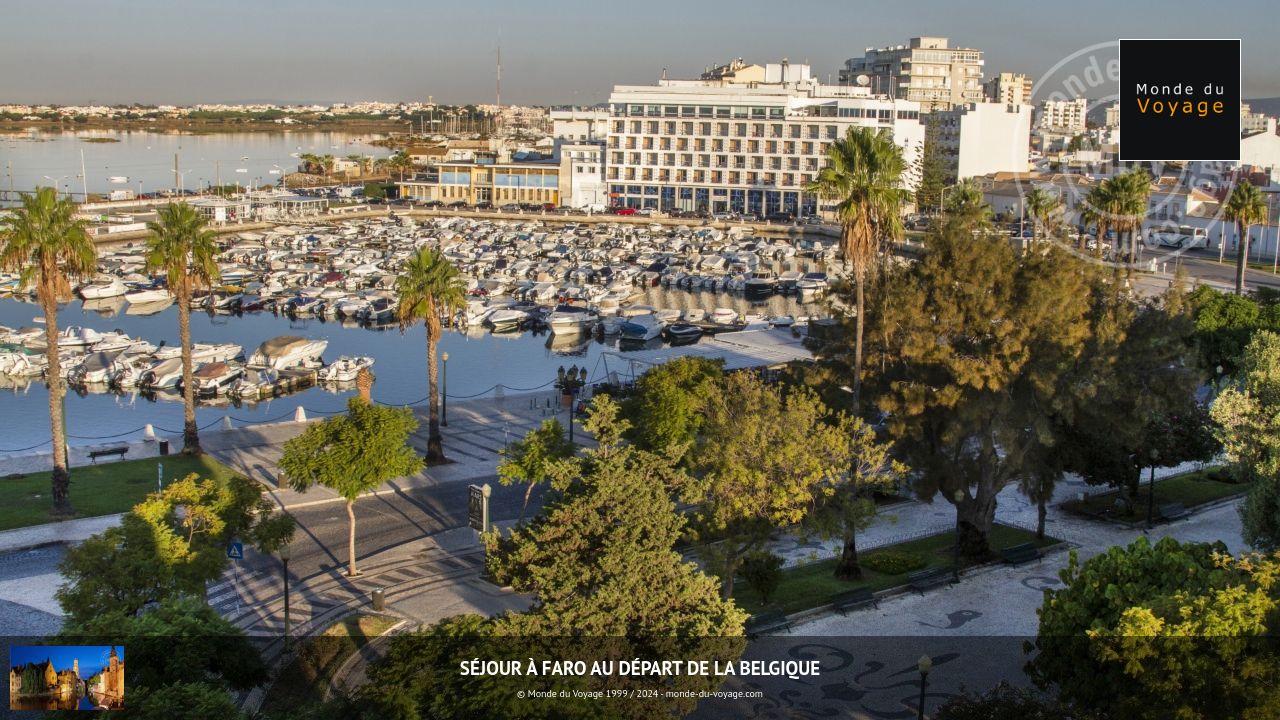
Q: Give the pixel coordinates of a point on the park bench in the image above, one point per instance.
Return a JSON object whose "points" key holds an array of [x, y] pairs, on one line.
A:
{"points": [[922, 580], [767, 621], [1174, 511], [107, 452], [858, 597], [1018, 554]]}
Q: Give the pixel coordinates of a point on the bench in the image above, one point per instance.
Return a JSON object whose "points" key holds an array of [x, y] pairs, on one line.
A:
{"points": [[922, 580], [107, 452], [1174, 511], [858, 597], [767, 621], [1018, 554]]}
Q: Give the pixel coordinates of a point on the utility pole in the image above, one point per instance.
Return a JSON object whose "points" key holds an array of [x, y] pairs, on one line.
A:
{"points": [[177, 179], [84, 179], [217, 174]]}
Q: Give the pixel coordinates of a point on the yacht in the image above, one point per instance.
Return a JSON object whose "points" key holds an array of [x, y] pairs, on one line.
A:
{"points": [[288, 351], [570, 319], [760, 284]]}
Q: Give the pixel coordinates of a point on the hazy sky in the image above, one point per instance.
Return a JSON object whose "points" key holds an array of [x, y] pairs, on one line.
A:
{"points": [[553, 51]]}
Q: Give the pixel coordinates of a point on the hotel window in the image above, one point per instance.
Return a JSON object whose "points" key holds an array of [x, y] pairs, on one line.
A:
{"points": [[616, 158], [682, 176], [699, 176], [706, 111], [715, 177], [635, 127], [619, 125], [775, 130], [733, 178], [793, 163], [669, 128], [788, 148], [699, 144], [665, 144], [635, 109], [753, 146], [648, 143], [686, 128], [786, 180], [771, 147], [777, 113], [654, 111], [757, 163], [832, 132], [722, 112], [704, 128], [757, 129], [739, 162], [775, 163], [752, 178], [651, 158], [886, 115], [722, 161], [717, 145], [671, 111], [813, 132], [722, 129], [793, 131], [758, 113], [652, 127], [669, 159], [735, 146], [741, 112], [688, 111], [631, 143]]}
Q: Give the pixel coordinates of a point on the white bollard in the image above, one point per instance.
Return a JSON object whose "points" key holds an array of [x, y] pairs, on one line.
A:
{"points": [[226, 422], [148, 433], [300, 414]]}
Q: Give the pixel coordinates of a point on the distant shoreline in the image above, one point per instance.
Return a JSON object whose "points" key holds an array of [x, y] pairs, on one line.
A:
{"points": [[203, 127]]}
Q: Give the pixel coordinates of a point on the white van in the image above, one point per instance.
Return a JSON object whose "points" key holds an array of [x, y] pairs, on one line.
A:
{"points": [[1182, 236]]}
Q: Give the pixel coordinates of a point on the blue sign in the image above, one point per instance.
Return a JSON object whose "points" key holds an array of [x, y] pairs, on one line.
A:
{"points": [[235, 551]]}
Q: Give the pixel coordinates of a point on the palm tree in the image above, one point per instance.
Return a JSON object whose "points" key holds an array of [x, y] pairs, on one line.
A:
{"points": [[44, 242], [863, 176], [1097, 212], [1042, 206], [965, 204], [1246, 208], [183, 249], [430, 290], [1132, 191]]}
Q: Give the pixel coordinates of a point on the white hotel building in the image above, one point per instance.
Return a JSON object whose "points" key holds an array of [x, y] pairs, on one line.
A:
{"points": [[742, 138]]}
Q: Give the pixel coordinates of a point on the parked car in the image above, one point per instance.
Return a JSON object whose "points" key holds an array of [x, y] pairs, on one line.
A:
{"points": [[624, 211], [457, 204], [780, 217], [484, 206]]}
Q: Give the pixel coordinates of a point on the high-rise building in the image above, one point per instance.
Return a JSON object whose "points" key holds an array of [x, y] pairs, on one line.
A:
{"points": [[983, 138], [1009, 88], [1063, 116], [925, 70], [741, 138]]}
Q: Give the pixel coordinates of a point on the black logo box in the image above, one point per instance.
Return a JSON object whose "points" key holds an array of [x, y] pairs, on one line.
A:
{"points": [[1184, 64]]}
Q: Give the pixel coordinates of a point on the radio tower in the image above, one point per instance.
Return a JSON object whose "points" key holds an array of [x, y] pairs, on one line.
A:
{"points": [[498, 123]]}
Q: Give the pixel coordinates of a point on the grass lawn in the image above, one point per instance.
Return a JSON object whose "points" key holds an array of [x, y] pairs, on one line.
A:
{"points": [[812, 585], [102, 489], [304, 680], [1190, 489]]}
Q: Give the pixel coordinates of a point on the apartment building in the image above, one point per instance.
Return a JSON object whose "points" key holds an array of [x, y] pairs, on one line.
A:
{"points": [[926, 70], [983, 138], [1063, 116], [582, 183], [486, 181], [741, 138], [1009, 88]]}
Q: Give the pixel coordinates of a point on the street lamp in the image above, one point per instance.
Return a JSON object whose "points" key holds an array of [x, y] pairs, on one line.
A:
{"points": [[55, 181], [284, 560], [444, 392], [1151, 487], [958, 496], [924, 665], [569, 383]]}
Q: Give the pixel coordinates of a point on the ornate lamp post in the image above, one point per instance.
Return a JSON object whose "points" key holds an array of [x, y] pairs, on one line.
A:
{"points": [[924, 665], [569, 384], [444, 391], [284, 560]]}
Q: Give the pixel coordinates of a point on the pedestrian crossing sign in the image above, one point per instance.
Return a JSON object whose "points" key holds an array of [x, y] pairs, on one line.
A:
{"points": [[235, 551]]}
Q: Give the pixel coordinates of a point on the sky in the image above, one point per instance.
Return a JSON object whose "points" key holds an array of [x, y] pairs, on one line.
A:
{"points": [[553, 51], [92, 658]]}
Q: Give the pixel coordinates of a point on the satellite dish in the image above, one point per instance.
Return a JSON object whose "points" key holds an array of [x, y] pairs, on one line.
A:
{"points": [[863, 80]]}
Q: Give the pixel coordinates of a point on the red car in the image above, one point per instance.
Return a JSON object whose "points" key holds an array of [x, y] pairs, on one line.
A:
{"points": [[624, 211]]}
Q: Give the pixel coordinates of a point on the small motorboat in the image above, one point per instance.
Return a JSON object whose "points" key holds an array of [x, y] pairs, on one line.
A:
{"points": [[254, 383], [345, 368], [202, 352], [642, 328], [151, 308], [506, 319], [103, 287], [680, 333], [570, 320], [146, 296], [724, 316], [18, 364], [213, 378], [162, 375], [95, 368], [287, 351]]}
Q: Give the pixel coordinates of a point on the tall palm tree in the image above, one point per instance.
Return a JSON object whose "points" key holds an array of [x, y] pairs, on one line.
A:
{"points": [[965, 205], [1098, 212], [1132, 192], [1042, 206], [430, 290], [863, 176], [1246, 208], [44, 242], [183, 249]]}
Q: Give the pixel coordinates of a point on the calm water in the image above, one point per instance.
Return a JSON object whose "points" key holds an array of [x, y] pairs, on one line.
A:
{"points": [[146, 158], [477, 362]]}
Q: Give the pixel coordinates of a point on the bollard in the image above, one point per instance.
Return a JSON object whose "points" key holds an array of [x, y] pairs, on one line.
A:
{"points": [[300, 414], [148, 433], [226, 422], [164, 447], [379, 598]]}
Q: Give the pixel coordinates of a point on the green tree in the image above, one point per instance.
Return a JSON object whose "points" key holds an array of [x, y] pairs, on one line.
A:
{"points": [[933, 172], [172, 544], [665, 413], [430, 290], [529, 460], [1097, 212], [965, 205], [1005, 702], [352, 454], [1131, 192], [1044, 208], [48, 247], [1245, 207], [976, 340], [1163, 631], [1224, 324], [764, 459], [762, 572], [1249, 416], [863, 176], [183, 249]]}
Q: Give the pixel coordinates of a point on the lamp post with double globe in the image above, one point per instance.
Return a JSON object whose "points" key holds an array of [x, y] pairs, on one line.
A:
{"points": [[570, 383], [924, 665], [284, 560], [444, 390]]}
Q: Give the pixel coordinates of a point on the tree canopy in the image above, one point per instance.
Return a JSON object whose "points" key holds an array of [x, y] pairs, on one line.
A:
{"points": [[1250, 432]]}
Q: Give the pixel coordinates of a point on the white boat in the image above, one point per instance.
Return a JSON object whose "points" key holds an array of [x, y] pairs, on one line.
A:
{"points": [[642, 328], [118, 179], [103, 287], [149, 295], [78, 337], [202, 352], [812, 285], [570, 319], [724, 316], [16, 364], [213, 378], [254, 383], [96, 368], [287, 351], [611, 325], [506, 319], [694, 315], [667, 315], [345, 369], [782, 321], [127, 372], [151, 308], [680, 333], [163, 374]]}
